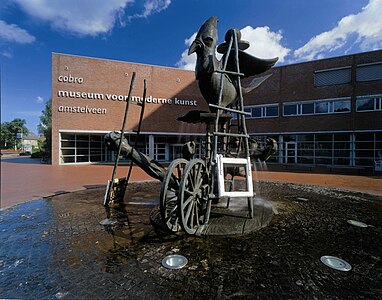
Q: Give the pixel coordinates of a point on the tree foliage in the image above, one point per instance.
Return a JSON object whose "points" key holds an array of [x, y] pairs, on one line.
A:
{"points": [[45, 126], [9, 131]]}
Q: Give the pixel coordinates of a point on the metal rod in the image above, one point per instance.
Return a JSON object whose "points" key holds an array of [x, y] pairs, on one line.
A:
{"points": [[122, 135], [213, 157], [230, 134], [139, 129], [230, 109], [242, 118], [230, 72]]}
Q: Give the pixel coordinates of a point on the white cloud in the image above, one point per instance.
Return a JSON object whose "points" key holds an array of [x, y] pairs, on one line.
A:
{"points": [[263, 43], [6, 53], [39, 99], [13, 33], [366, 26], [155, 6], [151, 7], [85, 17], [187, 62]]}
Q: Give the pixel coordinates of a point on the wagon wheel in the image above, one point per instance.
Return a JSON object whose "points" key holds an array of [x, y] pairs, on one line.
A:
{"points": [[169, 194], [193, 196]]}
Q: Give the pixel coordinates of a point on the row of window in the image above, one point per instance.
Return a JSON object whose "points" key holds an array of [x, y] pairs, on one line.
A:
{"points": [[316, 107], [87, 148], [263, 111], [367, 72], [346, 149], [343, 149]]}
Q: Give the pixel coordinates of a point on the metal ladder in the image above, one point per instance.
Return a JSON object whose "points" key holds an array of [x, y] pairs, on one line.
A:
{"points": [[217, 160]]}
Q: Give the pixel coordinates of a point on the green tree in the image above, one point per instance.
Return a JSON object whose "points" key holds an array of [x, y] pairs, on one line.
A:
{"points": [[6, 136], [45, 127], [9, 133]]}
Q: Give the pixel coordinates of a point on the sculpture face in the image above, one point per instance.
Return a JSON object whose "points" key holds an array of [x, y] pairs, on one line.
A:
{"points": [[204, 45], [206, 39], [208, 66]]}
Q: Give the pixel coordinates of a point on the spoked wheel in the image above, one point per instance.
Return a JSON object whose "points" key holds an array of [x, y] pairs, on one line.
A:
{"points": [[193, 196], [169, 194]]}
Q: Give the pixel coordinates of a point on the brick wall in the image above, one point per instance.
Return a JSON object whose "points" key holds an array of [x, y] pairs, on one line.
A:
{"points": [[287, 84], [108, 77], [296, 83]]}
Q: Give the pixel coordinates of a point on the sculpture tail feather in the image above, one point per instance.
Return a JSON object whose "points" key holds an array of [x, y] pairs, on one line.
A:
{"points": [[255, 83]]}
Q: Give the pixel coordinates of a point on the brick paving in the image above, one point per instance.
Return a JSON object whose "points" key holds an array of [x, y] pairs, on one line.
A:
{"points": [[57, 248], [24, 179]]}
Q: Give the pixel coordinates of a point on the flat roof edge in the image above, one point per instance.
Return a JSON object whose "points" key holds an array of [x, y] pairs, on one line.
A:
{"points": [[121, 61], [327, 58]]}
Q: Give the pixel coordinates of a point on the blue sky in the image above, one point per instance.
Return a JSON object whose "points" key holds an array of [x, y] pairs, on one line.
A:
{"points": [[158, 32]]}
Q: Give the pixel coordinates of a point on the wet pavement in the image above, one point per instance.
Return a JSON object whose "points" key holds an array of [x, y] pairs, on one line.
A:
{"points": [[56, 248]]}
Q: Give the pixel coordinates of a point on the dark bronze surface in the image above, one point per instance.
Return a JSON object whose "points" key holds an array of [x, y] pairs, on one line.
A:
{"points": [[208, 66]]}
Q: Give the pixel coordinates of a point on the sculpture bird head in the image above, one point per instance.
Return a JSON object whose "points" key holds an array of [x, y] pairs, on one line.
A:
{"points": [[204, 46], [214, 83]]}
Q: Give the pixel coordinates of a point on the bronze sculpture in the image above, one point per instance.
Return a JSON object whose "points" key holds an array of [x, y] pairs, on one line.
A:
{"points": [[208, 75], [190, 183], [158, 171], [208, 66]]}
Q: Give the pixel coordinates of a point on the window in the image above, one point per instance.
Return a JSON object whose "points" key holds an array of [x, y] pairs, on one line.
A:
{"points": [[366, 149], [369, 72], [332, 76], [341, 106], [290, 109], [256, 112], [322, 107], [307, 108], [160, 152], [319, 149], [263, 111], [331, 149], [297, 109], [261, 141], [161, 149], [272, 111], [76, 148], [247, 110], [365, 104], [369, 103], [329, 106]]}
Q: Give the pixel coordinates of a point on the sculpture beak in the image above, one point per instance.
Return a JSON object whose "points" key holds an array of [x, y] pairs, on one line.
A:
{"points": [[194, 47]]}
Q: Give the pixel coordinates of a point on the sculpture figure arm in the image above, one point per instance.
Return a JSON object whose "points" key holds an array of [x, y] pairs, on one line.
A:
{"points": [[146, 163]]}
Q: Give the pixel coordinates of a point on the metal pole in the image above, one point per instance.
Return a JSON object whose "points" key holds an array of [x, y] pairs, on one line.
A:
{"points": [[120, 143], [139, 128]]}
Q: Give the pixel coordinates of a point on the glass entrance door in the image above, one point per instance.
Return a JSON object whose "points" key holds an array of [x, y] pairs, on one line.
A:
{"points": [[291, 152]]}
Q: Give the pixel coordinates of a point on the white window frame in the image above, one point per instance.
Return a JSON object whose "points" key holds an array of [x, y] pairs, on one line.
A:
{"points": [[239, 162]]}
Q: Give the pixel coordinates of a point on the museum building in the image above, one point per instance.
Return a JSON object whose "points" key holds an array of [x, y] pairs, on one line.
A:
{"points": [[325, 113]]}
